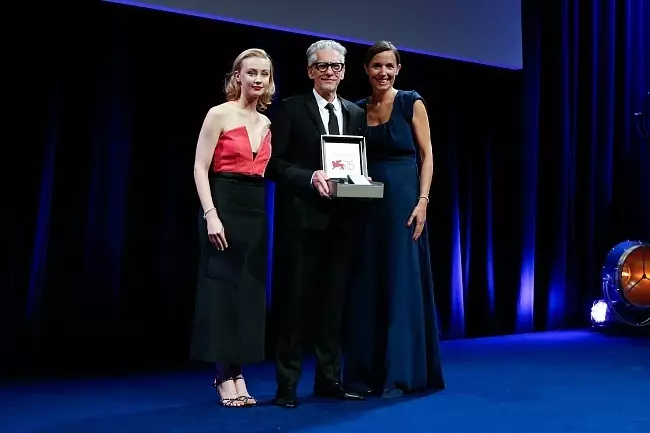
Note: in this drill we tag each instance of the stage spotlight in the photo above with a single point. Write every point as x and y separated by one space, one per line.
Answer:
599 313
626 286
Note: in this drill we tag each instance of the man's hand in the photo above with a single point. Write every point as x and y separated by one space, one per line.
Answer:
319 180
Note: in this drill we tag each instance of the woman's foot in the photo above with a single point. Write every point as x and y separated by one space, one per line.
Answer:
228 393
242 393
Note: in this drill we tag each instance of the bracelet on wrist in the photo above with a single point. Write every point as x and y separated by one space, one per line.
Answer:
424 197
206 212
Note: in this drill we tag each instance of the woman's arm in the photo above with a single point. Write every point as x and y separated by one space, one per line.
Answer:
423 137
420 124
208 137
210 131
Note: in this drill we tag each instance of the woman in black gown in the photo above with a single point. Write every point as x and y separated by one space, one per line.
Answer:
232 153
392 333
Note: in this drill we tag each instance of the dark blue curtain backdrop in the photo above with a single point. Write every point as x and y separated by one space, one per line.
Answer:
584 177
538 173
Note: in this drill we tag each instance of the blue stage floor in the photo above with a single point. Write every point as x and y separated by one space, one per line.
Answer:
564 382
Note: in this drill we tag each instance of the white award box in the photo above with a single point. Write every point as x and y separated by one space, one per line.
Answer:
344 163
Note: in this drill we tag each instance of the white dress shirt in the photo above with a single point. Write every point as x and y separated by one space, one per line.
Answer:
325 114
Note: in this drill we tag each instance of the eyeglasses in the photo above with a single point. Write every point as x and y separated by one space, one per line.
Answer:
322 66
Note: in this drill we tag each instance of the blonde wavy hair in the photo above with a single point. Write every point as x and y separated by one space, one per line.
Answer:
233 88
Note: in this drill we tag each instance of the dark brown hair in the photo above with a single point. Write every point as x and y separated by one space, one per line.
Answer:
380 47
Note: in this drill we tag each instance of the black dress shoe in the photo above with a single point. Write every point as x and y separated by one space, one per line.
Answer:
286 398
361 389
335 390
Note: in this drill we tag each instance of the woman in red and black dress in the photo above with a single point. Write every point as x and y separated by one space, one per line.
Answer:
232 152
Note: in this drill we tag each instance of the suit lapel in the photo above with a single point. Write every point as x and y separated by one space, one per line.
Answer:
312 109
314 114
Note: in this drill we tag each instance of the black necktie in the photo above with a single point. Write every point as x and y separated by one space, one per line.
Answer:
333 124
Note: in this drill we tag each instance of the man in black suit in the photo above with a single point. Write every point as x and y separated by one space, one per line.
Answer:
312 230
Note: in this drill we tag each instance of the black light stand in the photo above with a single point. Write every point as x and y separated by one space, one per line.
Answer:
643 120
643 128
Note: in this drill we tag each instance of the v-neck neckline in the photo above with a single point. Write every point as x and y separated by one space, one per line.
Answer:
248 138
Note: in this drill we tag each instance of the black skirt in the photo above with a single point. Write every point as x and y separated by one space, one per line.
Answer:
230 310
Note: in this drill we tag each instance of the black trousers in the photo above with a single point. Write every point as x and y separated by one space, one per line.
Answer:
308 298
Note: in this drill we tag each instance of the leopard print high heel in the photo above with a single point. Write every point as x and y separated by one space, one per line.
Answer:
247 400
227 402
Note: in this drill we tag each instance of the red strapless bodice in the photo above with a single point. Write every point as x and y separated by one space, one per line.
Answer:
233 153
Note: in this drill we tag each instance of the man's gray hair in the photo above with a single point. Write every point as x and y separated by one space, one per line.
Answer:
324 45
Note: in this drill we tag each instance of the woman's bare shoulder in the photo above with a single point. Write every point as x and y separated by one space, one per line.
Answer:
265 119
220 113
221 109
